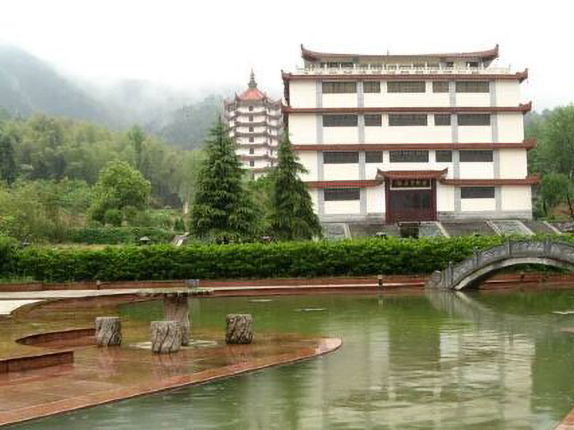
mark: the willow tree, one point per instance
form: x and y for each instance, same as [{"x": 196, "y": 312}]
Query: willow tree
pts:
[
  {"x": 223, "y": 209},
  {"x": 292, "y": 216}
]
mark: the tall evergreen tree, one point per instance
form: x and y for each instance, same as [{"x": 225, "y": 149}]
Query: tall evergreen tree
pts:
[
  {"x": 223, "y": 209},
  {"x": 8, "y": 170},
  {"x": 292, "y": 216}
]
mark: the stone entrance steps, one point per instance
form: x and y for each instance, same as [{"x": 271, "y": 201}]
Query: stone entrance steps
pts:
[{"x": 445, "y": 229}]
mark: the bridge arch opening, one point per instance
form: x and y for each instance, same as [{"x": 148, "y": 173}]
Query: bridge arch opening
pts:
[{"x": 474, "y": 279}]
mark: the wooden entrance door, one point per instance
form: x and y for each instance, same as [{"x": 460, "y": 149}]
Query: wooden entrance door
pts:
[{"x": 410, "y": 200}]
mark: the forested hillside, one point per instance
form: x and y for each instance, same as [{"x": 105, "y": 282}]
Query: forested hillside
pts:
[{"x": 29, "y": 85}]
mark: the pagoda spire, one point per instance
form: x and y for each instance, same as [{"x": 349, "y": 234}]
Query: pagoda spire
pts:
[{"x": 252, "y": 83}]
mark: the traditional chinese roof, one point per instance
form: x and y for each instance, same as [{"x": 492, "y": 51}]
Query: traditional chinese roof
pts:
[
  {"x": 411, "y": 174},
  {"x": 489, "y": 55},
  {"x": 252, "y": 93}
]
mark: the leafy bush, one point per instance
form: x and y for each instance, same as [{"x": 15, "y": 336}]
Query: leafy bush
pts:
[
  {"x": 118, "y": 235},
  {"x": 8, "y": 248},
  {"x": 253, "y": 260}
]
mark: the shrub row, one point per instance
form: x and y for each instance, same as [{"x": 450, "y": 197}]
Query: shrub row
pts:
[
  {"x": 254, "y": 260},
  {"x": 118, "y": 235}
]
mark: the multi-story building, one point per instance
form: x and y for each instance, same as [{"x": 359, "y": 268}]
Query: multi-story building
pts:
[
  {"x": 389, "y": 138},
  {"x": 254, "y": 120}
]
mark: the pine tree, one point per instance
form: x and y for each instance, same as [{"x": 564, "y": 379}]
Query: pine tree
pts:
[
  {"x": 292, "y": 216},
  {"x": 223, "y": 209},
  {"x": 8, "y": 170}
]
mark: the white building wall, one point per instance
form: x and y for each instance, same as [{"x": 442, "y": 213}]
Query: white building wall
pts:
[
  {"x": 507, "y": 93},
  {"x": 340, "y": 134},
  {"x": 475, "y": 134},
  {"x": 475, "y": 170},
  {"x": 303, "y": 129},
  {"x": 376, "y": 200},
  {"x": 445, "y": 198},
  {"x": 505, "y": 127},
  {"x": 352, "y": 207},
  {"x": 384, "y": 99},
  {"x": 478, "y": 205},
  {"x": 340, "y": 100},
  {"x": 314, "y": 193},
  {"x": 309, "y": 160},
  {"x": 516, "y": 198},
  {"x": 473, "y": 99},
  {"x": 303, "y": 94},
  {"x": 336, "y": 172},
  {"x": 510, "y": 127},
  {"x": 513, "y": 163},
  {"x": 418, "y": 134}
]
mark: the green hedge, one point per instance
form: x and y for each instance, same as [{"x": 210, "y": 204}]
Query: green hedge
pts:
[
  {"x": 118, "y": 235},
  {"x": 276, "y": 260}
]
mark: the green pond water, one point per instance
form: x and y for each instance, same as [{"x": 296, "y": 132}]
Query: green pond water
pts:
[{"x": 443, "y": 361}]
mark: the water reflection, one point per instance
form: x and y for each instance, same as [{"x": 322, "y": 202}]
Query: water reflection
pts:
[{"x": 440, "y": 361}]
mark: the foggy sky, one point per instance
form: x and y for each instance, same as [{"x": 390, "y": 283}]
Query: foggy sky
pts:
[{"x": 193, "y": 44}]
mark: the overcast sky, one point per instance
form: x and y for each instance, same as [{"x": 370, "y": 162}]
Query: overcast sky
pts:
[{"x": 194, "y": 44}]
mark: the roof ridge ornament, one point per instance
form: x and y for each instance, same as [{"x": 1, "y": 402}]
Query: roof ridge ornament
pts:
[{"x": 252, "y": 83}]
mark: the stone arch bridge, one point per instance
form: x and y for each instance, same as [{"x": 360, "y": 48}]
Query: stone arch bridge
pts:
[{"x": 468, "y": 273}]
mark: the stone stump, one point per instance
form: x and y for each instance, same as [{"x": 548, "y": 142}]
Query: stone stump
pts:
[
  {"x": 238, "y": 329},
  {"x": 165, "y": 337},
  {"x": 176, "y": 308},
  {"x": 108, "y": 331}
]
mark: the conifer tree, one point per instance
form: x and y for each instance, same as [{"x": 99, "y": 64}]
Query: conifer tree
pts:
[
  {"x": 292, "y": 216},
  {"x": 8, "y": 169},
  {"x": 223, "y": 209}
]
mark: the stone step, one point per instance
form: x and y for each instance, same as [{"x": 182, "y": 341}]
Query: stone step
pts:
[
  {"x": 540, "y": 227},
  {"x": 510, "y": 227},
  {"x": 431, "y": 229},
  {"x": 468, "y": 228},
  {"x": 371, "y": 230},
  {"x": 336, "y": 231}
]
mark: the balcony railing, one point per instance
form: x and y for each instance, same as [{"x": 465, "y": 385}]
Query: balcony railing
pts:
[{"x": 401, "y": 69}]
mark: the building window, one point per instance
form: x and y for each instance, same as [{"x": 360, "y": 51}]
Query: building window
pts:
[
  {"x": 440, "y": 87},
  {"x": 340, "y": 120},
  {"x": 339, "y": 87},
  {"x": 341, "y": 194},
  {"x": 441, "y": 119},
  {"x": 409, "y": 156},
  {"x": 372, "y": 87},
  {"x": 340, "y": 157},
  {"x": 406, "y": 87},
  {"x": 373, "y": 120},
  {"x": 473, "y": 119},
  {"x": 251, "y": 151},
  {"x": 250, "y": 128},
  {"x": 250, "y": 108},
  {"x": 472, "y": 87},
  {"x": 477, "y": 193},
  {"x": 251, "y": 139},
  {"x": 443, "y": 156},
  {"x": 472, "y": 64},
  {"x": 476, "y": 156},
  {"x": 252, "y": 163},
  {"x": 407, "y": 119},
  {"x": 250, "y": 117},
  {"x": 449, "y": 64},
  {"x": 374, "y": 156}
]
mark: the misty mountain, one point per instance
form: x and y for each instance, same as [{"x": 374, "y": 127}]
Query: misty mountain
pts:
[
  {"x": 181, "y": 117},
  {"x": 189, "y": 125},
  {"x": 29, "y": 85}
]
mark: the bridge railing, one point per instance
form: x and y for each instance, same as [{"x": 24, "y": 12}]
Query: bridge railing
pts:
[{"x": 455, "y": 273}]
